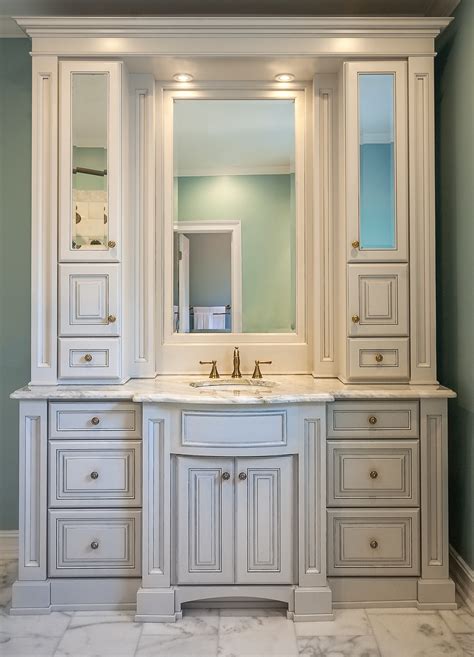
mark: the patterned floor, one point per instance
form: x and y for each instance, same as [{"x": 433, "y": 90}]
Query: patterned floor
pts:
[{"x": 234, "y": 633}]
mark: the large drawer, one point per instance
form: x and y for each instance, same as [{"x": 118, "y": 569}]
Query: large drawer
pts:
[
  {"x": 94, "y": 420},
  {"x": 366, "y": 473},
  {"x": 375, "y": 419},
  {"x": 97, "y": 473},
  {"x": 378, "y": 359},
  {"x": 89, "y": 358},
  {"x": 89, "y": 543},
  {"x": 373, "y": 542}
]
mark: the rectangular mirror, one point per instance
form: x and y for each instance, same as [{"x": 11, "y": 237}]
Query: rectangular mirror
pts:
[
  {"x": 234, "y": 216},
  {"x": 89, "y": 96},
  {"x": 377, "y": 161}
]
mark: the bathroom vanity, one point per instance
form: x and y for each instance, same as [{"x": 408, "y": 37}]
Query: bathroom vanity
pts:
[{"x": 205, "y": 183}]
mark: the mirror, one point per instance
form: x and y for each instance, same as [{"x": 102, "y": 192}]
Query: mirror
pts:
[
  {"x": 89, "y": 96},
  {"x": 376, "y": 161},
  {"x": 234, "y": 216}
]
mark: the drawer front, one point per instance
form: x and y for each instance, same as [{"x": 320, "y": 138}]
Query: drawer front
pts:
[
  {"x": 366, "y": 473},
  {"x": 373, "y": 419},
  {"x": 97, "y": 473},
  {"x": 381, "y": 359},
  {"x": 373, "y": 542},
  {"x": 378, "y": 300},
  {"x": 89, "y": 358},
  {"x": 105, "y": 420},
  {"x": 92, "y": 543}
]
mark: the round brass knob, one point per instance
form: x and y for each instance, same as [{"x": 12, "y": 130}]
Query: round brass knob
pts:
[
  {"x": 94, "y": 475},
  {"x": 374, "y": 544},
  {"x": 94, "y": 545},
  {"x": 355, "y": 244},
  {"x": 355, "y": 319},
  {"x": 95, "y": 421},
  {"x": 111, "y": 319},
  {"x": 111, "y": 244},
  {"x": 88, "y": 358},
  {"x": 379, "y": 358},
  {"x": 372, "y": 419},
  {"x": 242, "y": 476},
  {"x": 225, "y": 476},
  {"x": 374, "y": 474}
]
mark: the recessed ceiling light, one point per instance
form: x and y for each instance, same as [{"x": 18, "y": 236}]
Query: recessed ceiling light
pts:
[
  {"x": 183, "y": 77},
  {"x": 284, "y": 77}
]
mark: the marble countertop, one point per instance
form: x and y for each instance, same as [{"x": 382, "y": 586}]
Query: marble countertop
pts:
[{"x": 285, "y": 389}]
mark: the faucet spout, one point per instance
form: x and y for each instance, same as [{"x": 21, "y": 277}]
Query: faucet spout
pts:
[{"x": 236, "y": 374}]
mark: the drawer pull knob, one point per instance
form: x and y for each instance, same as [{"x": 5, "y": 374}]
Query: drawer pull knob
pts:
[
  {"x": 225, "y": 476},
  {"x": 111, "y": 319},
  {"x": 372, "y": 419},
  {"x": 355, "y": 319},
  {"x": 94, "y": 545},
  {"x": 111, "y": 244},
  {"x": 95, "y": 475},
  {"x": 355, "y": 244},
  {"x": 379, "y": 358},
  {"x": 88, "y": 358},
  {"x": 374, "y": 544},
  {"x": 242, "y": 476},
  {"x": 95, "y": 421},
  {"x": 374, "y": 474}
]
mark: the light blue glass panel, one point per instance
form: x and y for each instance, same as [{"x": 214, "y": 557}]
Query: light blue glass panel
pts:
[{"x": 377, "y": 161}]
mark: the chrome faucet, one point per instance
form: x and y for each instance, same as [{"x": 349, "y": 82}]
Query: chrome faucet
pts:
[{"x": 236, "y": 374}]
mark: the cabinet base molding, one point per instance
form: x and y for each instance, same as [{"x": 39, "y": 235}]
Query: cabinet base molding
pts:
[
  {"x": 436, "y": 594},
  {"x": 157, "y": 606},
  {"x": 31, "y": 597},
  {"x": 312, "y": 604}
]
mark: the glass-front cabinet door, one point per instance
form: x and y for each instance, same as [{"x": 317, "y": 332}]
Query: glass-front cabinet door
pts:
[
  {"x": 376, "y": 161},
  {"x": 89, "y": 161}
]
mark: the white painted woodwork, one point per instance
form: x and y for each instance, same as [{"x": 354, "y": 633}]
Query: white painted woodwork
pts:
[
  {"x": 89, "y": 358},
  {"x": 98, "y": 473},
  {"x": 265, "y": 512},
  {"x": 44, "y": 220},
  {"x": 365, "y": 363},
  {"x": 373, "y": 542},
  {"x": 114, "y": 155},
  {"x": 371, "y": 473},
  {"x": 94, "y": 420},
  {"x": 89, "y": 300},
  {"x": 352, "y": 70},
  {"x": 422, "y": 219},
  {"x": 115, "y": 535},
  {"x": 393, "y": 419},
  {"x": 378, "y": 295}
]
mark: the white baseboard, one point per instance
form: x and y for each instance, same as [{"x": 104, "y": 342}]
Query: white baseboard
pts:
[
  {"x": 9, "y": 544},
  {"x": 463, "y": 577}
]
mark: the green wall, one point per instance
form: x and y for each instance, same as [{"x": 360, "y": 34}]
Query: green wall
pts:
[
  {"x": 455, "y": 233},
  {"x": 91, "y": 158},
  {"x": 15, "y": 237}
]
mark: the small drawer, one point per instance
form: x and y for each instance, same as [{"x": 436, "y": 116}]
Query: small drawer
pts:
[
  {"x": 89, "y": 358},
  {"x": 105, "y": 420},
  {"x": 381, "y": 359},
  {"x": 373, "y": 542},
  {"x": 92, "y": 543},
  {"x": 374, "y": 419},
  {"x": 366, "y": 473},
  {"x": 94, "y": 473}
]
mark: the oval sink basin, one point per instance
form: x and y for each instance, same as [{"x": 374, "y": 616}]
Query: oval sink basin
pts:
[{"x": 233, "y": 385}]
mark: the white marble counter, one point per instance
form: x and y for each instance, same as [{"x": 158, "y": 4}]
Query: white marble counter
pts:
[{"x": 286, "y": 389}]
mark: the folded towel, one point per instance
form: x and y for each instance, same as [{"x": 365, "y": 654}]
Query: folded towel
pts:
[{"x": 209, "y": 318}]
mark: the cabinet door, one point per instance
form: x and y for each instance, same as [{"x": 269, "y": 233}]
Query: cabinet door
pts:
[
  {"x": 376, "y": 161},
  {"x": 205, "y": 520},
  {"x": 265, "y": 530}
]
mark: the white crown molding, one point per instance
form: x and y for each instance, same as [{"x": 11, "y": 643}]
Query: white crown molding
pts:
[
  {"x": 463, "y": 577},
  {"x": 8, "y": 544}
]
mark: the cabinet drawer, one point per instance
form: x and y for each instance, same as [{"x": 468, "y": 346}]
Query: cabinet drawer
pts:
[
  {"x": 94, "y": 419},
  {"x": 376, "y": 419},
  {"x": 89, "y": 358},
  {"x": 92, "y": 543},
  {"x": 98, "y": 473},
  {"x": 378, "y": 359},
  {"x": 373, "y": 542},
  {"x": 372, "y": 473}
]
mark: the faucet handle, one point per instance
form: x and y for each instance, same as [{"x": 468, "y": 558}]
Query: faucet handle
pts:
[
  {"x": 214, "y": 373},
  {"x": 257, "y": 374}
]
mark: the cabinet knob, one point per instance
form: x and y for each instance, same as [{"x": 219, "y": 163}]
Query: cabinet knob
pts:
[
  {"x": 94, "y": 545},
  {"x": 242, "y": 476},
  {"x": 111, "y": 319},
  {"x": 111, "y": 244},
  {"x": 94, "y": 475},
  {"x": 372, "y": 419},
  {"x": 374, "y": 544},
  {"x": 95, "y": 421},
  {"x": 355, "y": 244},
  {"x": 374, "y": 474},
  {"x": 379, "y": 358},
  {"x": 225, "y": 476},
  {"x": 88, "y": 358},
  {"x": 355, "y": 319}
]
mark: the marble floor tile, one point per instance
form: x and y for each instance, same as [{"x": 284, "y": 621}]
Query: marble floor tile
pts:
[
  {"x": 459, "y": 621},
  {"x": 393, "y": 611},
  {"x": 28, "y": 636},
  {"x": 414, "y": 635},
  {"x": 338, "y": 646},
  {"x": 194, "y": 636},
  {"x": 466, "y": 641},
  {"x": 347, "y": 622},
  {"x": 8, "y": 574},
  {"x": 256, "y": 637}
]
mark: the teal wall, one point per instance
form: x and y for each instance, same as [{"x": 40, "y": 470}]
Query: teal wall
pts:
[
  {"x": 265, "y": 207},
  {"x": 15, "y": 237},
  {"x": 377, "y": 198},
  {"x": 455, "y": 233},
  {"x": 91, "y": 158}
]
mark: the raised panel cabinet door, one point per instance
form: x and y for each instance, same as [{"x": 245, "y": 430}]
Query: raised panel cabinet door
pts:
[
  {"x": 265, "y": 518},
  {"x": 205, "y": 520}
]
